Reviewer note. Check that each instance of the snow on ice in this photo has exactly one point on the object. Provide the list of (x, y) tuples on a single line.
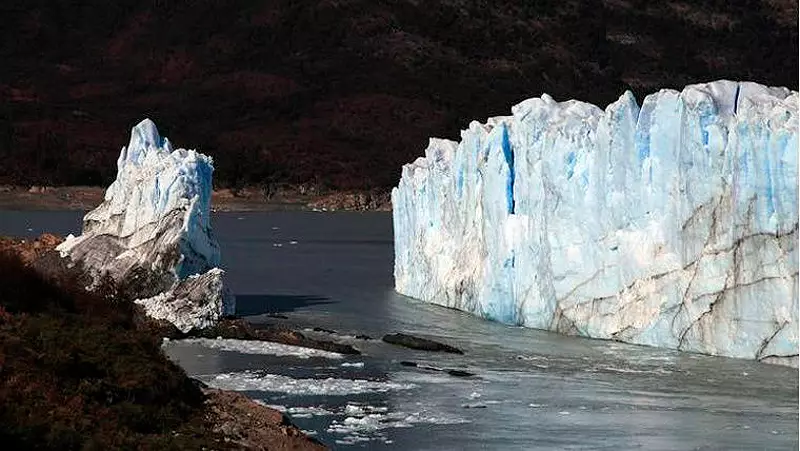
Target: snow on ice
[(153, 229), (670, 224)]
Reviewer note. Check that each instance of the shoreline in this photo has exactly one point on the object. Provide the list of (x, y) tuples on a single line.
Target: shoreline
[(114, 395), (249, 199)]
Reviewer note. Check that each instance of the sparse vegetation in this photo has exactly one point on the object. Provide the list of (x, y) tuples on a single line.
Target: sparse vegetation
[(75, 373), (84, 370)]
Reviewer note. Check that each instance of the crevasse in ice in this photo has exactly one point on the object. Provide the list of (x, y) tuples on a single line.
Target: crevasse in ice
[(669, 224)]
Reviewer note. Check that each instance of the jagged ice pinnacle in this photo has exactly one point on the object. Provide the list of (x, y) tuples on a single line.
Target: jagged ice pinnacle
[(153, 228)]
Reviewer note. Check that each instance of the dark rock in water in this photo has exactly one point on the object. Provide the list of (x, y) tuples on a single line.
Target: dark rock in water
[(452, 372), (324, 330), (242, 330), (363, 337), (422, 344), (277, 315), (459, 373)]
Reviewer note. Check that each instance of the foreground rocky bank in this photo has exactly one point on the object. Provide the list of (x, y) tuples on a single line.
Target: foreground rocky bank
[(82, 321), (670, 224), (84, 370)]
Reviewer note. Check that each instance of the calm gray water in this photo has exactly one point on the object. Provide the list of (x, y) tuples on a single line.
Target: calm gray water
[(531, 389)]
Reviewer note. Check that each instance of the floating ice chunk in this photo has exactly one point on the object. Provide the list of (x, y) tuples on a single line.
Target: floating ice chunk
[(353, 364), (260, 347), (308, 412), (363, 409), (371, 422), (248, 381)]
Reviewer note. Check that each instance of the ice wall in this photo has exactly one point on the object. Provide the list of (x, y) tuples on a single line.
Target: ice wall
[(673, 224), (154, 230)]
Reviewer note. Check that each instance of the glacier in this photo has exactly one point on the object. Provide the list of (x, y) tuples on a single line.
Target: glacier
[(670, 224), (153, 232)]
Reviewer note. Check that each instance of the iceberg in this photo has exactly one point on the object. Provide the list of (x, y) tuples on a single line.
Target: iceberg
[(670, 224), (153, 232)]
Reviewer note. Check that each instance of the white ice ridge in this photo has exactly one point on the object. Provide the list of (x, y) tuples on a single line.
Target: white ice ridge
[(258, 347), (153, 230), (673, 224), (248, 381)]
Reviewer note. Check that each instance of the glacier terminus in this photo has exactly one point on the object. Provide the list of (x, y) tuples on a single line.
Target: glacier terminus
[(670, 224)]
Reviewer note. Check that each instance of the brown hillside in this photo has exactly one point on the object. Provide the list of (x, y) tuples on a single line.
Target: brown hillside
[(341, 92)]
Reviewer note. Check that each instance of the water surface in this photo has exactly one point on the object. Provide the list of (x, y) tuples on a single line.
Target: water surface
[(531, 389)]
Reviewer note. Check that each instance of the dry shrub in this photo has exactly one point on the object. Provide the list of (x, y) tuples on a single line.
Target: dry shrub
[(75, 372)]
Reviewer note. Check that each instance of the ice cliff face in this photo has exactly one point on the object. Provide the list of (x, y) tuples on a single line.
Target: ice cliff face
[(153, 230), (673, 224)]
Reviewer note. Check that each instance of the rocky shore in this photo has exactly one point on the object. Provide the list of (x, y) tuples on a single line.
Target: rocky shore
[(85, 369), (246, 199)]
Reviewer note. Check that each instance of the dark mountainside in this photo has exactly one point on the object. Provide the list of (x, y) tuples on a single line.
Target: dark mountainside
[(339, 94)]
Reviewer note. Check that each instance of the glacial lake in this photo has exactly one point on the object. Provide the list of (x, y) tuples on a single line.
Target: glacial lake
[(531, 389)]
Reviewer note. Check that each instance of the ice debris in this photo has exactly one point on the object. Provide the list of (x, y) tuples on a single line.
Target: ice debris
[(260, 347)]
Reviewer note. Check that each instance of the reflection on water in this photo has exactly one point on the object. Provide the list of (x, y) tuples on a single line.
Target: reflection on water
[(255, 304), (531, 389)]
